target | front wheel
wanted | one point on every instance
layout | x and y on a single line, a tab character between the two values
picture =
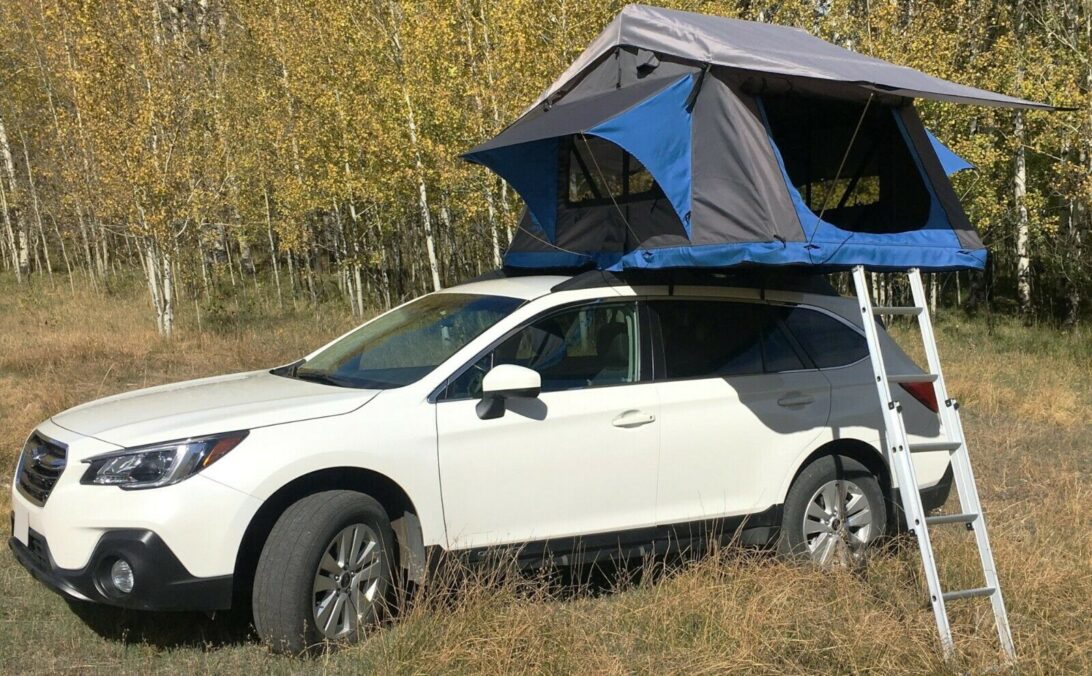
325	572
833	511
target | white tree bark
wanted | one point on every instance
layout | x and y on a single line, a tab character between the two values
9	234
159	270
422	193
1020	191
21	235
35	204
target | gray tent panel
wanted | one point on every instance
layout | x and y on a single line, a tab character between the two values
768	49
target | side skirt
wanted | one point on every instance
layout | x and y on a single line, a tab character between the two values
758	529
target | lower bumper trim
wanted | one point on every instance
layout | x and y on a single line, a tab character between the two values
161	581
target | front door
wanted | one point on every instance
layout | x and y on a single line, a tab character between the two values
580	459
738	404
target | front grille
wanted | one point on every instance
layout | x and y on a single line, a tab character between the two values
40	465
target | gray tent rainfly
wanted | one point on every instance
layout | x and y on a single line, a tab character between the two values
685	140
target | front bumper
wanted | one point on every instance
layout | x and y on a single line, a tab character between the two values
161	582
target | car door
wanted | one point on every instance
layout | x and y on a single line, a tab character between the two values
738	403
579	459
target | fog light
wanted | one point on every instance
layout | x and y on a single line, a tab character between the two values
121	576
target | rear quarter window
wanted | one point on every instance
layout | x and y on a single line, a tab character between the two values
828	341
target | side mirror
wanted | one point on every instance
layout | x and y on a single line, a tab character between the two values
505	382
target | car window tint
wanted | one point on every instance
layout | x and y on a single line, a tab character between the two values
710	338
778	353
828	341
589	346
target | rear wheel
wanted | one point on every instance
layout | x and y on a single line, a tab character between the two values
834	510
325	572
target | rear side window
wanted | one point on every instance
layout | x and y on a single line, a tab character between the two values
703	339
828	341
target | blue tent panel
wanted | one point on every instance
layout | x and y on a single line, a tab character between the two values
952	163
650	121
531	169
665	152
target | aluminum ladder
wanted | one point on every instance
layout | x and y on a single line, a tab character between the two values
899	450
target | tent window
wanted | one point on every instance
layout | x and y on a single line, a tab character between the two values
600	172
879	188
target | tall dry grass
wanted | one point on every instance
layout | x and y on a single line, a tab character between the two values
1024	394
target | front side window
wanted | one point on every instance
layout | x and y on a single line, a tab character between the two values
589	346
706	339
827	341
403	346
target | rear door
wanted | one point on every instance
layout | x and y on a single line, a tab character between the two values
738	403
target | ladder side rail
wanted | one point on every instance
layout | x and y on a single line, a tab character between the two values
952	429
898	453
970	502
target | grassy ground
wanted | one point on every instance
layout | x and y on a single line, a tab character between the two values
1025	394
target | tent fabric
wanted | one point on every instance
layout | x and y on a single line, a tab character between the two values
622	116
952	163
767	49
710	143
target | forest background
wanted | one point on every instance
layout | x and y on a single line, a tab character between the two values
251	154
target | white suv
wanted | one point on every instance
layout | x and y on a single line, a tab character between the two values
562	417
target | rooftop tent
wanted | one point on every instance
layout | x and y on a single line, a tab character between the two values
684	140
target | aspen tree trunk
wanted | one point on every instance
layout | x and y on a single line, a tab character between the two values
35	204
9	234
933	294
272	248
479	107
422	193
1020	190
488	66
1019	193
22	236
159	269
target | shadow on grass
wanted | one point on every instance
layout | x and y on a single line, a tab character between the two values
452	584
167	630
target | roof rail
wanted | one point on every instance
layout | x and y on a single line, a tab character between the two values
780	279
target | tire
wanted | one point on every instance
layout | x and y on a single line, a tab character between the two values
814	528
307	584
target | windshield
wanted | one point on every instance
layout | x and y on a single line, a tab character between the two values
402	346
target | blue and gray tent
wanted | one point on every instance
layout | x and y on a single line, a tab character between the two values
684	140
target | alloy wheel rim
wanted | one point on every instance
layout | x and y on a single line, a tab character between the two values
838	523
347	581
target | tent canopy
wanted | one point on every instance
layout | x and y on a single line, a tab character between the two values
768	49
682	140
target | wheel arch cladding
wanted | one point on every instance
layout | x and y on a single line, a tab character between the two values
858	450
394	499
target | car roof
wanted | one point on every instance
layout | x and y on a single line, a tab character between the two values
531	286
524	287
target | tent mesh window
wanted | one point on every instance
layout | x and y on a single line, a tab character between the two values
600	173
879	188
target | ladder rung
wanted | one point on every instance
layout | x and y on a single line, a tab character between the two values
898	310
951	518
968	593
912	378
930	446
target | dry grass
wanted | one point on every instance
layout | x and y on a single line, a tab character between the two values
1024	393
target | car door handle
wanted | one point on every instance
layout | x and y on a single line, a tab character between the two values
794	399
633	419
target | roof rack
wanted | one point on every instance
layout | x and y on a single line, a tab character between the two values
782	279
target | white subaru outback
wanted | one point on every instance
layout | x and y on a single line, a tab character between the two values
563	418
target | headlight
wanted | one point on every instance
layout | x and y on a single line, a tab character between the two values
159	464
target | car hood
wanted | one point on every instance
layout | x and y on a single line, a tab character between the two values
208	406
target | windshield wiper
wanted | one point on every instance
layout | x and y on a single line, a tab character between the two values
324	378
